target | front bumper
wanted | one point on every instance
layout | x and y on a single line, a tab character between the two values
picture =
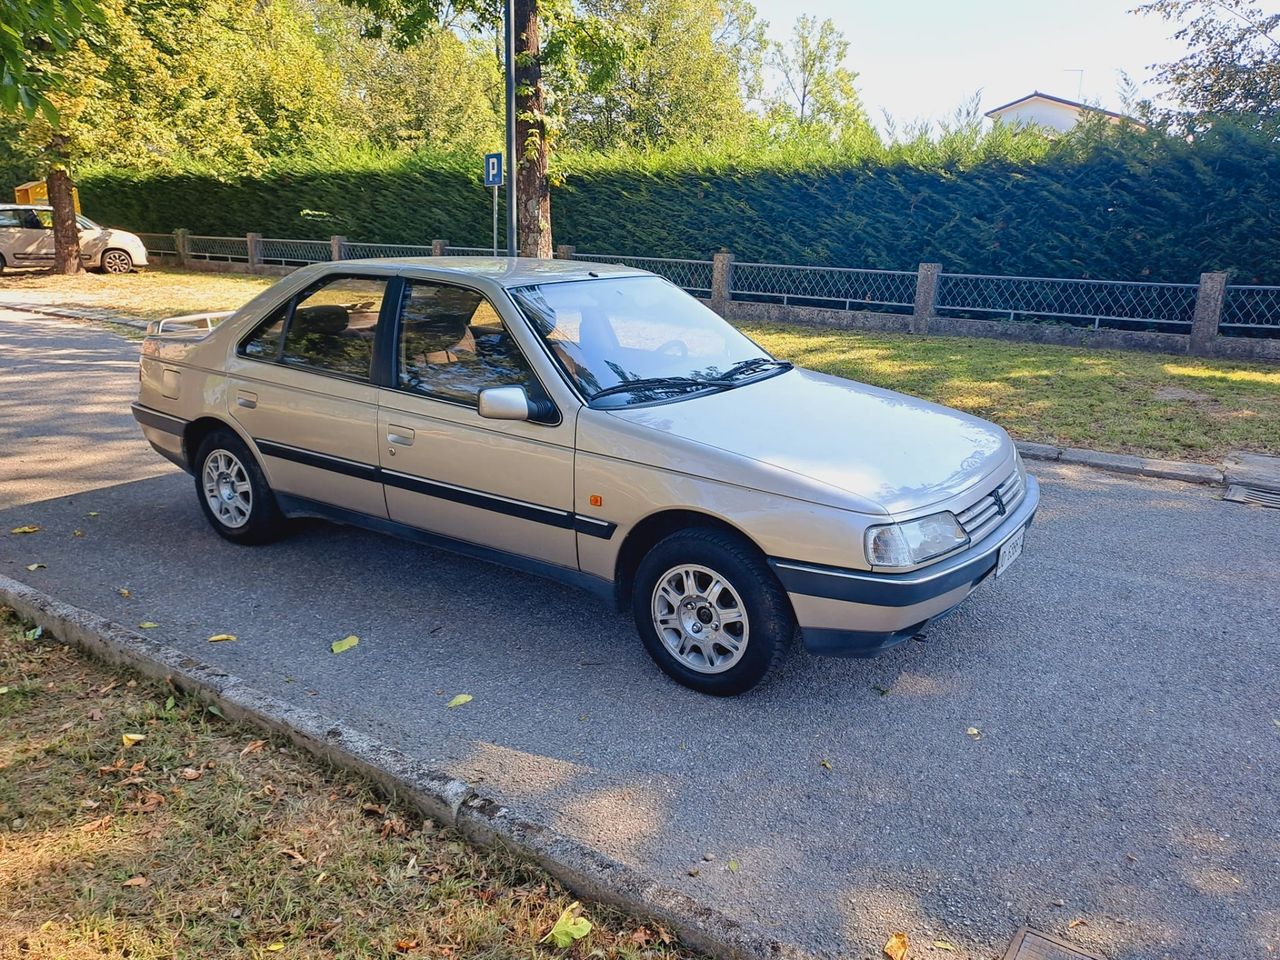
857	613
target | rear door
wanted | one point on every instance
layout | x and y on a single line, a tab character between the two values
302	386
502	484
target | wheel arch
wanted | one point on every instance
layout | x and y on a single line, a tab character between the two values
645	534
195	432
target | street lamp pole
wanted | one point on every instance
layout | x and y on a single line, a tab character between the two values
509	41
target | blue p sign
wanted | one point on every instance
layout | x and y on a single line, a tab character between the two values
493	169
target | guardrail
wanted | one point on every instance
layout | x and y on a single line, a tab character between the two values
1206	311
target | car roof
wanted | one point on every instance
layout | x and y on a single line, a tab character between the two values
506	271
25	206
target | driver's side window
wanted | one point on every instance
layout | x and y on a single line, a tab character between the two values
452	344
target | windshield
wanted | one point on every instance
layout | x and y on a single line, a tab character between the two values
612	331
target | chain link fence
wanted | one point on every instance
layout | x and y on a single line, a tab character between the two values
891	291
1248	311
1093	303
692	276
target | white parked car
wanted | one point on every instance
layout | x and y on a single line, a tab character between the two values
26	240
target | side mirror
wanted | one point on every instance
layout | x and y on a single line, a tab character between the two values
505	403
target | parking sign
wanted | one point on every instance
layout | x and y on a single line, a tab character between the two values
493	169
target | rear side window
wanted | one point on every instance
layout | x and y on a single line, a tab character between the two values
10	218
328	329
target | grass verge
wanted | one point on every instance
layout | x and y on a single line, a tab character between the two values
137	824
1156	405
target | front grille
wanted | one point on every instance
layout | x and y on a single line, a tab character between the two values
980	518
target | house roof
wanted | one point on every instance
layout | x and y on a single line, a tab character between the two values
1036	94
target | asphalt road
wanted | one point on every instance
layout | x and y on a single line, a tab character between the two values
1124	677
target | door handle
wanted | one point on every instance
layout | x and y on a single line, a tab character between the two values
246	399
400	435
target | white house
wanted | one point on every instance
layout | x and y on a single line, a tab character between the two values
1056	113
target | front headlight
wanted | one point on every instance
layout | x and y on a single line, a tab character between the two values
914	542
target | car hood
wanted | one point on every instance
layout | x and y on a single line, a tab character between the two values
864	446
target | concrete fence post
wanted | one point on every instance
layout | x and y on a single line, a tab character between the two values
253	244
721	277
439	247
926	297
337	248
1204	324
182	243
565	251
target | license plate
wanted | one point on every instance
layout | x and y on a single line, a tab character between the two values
1010	550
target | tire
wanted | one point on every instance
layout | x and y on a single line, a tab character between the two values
233	492
732	635
115	260
3	263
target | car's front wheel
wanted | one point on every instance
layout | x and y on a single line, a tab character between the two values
233	492
116	261
710	611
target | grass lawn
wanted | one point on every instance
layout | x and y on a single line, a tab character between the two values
201	840
1120	401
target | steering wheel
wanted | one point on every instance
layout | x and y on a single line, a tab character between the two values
674	348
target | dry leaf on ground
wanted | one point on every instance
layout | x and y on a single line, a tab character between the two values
895	947
29	528
459	700
129	739
974	732
222	638
138	881
345	644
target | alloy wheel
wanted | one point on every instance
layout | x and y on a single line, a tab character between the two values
700	618
227	489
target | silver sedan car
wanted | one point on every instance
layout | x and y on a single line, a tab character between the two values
597	425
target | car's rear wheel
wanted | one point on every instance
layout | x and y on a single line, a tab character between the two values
710	611
116	261
233	492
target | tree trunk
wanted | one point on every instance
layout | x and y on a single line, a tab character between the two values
66	234
533	194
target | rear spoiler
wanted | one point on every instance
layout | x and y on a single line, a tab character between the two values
187	323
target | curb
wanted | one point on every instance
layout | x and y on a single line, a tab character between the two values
76	313
1124	463
482	820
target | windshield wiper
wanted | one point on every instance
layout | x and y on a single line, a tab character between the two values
658	383
753	365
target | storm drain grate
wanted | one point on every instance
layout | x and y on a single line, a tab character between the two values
1031	944
1243	493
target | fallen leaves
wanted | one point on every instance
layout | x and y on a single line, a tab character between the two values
253	747
944	945
148	625
974	733
825	764
1079	922
459	700
275	947
222	638
139	881
569	928
732	866
405	945
123	591
29	528
130	739
93	826
35	633
148	802
191	773
33	567
296	860
345	644
895	947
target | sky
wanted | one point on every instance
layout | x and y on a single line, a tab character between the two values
919	59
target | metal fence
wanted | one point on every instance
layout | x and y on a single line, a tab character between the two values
1248	311
1251	311
218	249
1094	303
693	276
892	291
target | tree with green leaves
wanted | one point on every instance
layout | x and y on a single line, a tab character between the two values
34	34
816	99
662	72
1231	69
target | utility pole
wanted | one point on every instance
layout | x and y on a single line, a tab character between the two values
509	62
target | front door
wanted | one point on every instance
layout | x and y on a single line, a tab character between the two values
502	484
33	242
301	384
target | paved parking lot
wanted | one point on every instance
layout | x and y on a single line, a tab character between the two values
1124	678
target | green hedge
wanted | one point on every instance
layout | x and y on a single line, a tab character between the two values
1128	207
